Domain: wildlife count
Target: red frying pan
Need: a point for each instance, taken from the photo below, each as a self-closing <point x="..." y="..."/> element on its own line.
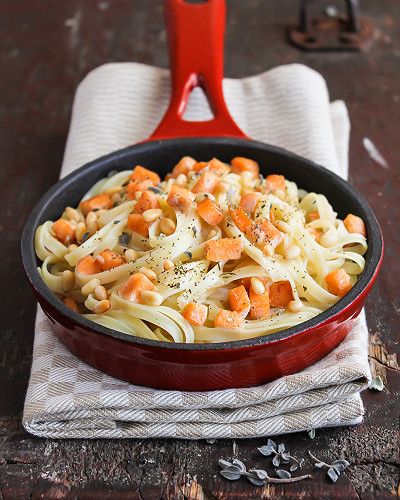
<point x="196" y="50"/>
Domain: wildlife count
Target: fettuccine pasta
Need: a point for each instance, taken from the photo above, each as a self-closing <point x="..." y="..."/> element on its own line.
<point x="213" y="253"/>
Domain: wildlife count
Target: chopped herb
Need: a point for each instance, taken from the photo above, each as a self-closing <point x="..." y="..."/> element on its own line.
<point x="155" y="190"/>
<point x="123" y="239"/>
<point x="188" y="254"/>
<point x="85" y="236"/>
<point x="194" y="229"/>
<point x="116" y="221"/>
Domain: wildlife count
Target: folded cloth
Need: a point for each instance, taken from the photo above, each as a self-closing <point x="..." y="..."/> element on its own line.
<point x="115" y="106"/>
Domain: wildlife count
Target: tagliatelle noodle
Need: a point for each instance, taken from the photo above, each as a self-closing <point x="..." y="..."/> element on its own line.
<point x="194" y="278"/>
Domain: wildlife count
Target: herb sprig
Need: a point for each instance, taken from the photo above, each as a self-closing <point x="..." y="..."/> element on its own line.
<point x="234" y="470"/>
<point x="334" y="469"/>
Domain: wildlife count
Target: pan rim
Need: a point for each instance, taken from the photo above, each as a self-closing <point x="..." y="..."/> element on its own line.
<point x="328" y="316"/>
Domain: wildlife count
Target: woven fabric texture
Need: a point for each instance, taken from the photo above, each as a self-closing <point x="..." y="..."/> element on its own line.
<point x="115" y="106"/>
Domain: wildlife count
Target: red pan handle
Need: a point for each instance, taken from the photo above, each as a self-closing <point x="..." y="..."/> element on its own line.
<point x="196" y="43"/>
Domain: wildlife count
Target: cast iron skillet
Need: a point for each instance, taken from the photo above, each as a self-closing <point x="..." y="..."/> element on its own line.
<point x="196" y="43"/>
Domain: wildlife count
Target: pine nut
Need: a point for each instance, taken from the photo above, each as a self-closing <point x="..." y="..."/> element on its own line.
<point x="328" y="239"/>
<point x="91" y="222"/>
<point x="224" y="187"/>
<point x="100" y="292"/>
<point x="257" y="286"/>
<point x="181" y="180"/>
<point x="148" y="273"/>
<point x="286" y="242"/>
<point x="102" y="307"/>
<point x="167" y="226"/>
<point x="291" y="253"/>
<point x="71" y="248"/>
<point x="90" y="286"/>
<point x="190" y="174"/>
<point x="72" y="214"/>
<point x="295" y="306"/>
<point x="138" y="194"/>
<point x="283" y="226"/>
<point x="80" y="231"/>
<point x="268" y="250"/>
<point x="152" y="214"/>
<point x="279" y="194"/>
<point x="112" y="190"/>
<point x="247" y="184"/>
<point x="201" y="196"/>
<point x="151" y="298"/>
<point x="116" y="198"/>
<point x="68" y="280"/>
<point x="130" y="255"/>
<point x="168" y="264"/>
<point x="100" y="212"/>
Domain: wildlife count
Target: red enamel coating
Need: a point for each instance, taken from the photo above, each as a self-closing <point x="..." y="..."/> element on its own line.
<point x="193" y="370"/>
<point x="196" y="33"/>
<point x="196" y="42"/>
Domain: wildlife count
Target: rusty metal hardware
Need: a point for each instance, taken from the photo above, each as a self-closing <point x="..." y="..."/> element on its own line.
<point x="332" y="33"/>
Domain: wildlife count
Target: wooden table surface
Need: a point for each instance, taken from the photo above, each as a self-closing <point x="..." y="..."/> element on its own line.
<point x="47" y="47"/>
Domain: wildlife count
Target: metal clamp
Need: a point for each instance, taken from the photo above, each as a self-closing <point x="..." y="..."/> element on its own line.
<point x="332" y="33"/>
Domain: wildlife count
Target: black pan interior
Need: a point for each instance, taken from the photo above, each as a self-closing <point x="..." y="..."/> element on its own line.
<point x="161" y="156"/>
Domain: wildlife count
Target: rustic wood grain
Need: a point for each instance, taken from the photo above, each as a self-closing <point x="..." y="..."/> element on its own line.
<point x="47" y="47"/>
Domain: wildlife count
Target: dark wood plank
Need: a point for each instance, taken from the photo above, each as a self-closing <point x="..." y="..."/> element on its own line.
<point x="47" y="48"/>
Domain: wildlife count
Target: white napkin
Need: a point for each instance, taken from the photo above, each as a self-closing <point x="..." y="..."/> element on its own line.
<point x="115" y="106"/>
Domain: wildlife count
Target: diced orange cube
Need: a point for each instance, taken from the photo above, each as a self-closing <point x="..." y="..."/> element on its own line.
<point x="240" y="164"/>
<point x="275" y="182"/>
<point x="147" y="201"/>
<point x="223" y="249"/>
<point x="240" y="218"/>
<point x="249" y="201"/>
<point x="207" y="183"/>
<point x="180" y="198"/>
<point x="313" y="232"/>
<point x="184" y="165"/>
<point x="195" y="313"/>
<point x="259" y="304"/>
<point x="139" y="185"/>
<point x="98" y="202"/>
<point x="139" y="173"/>
<point x="338" y="282"/>
<point x="64" y="230"/>
<point x="280" y="294"/>
<point x="262" y="232"/>
<point x="354" y="224"/>
<point x="311" y="216"/>
<point x="108" y="259"/>
<point x="239" y="300"/>
<point x="218" y="167"/>
<point x="87" y="265"/>
<point x="137" y="224"/>
<point x="134" y="286"/>
<point x="70" y="302"/>
<point x="229" y="319"/>
<point x="210" y="212"/>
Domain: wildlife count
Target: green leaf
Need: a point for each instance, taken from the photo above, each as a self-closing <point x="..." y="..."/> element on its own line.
<point x="266" y="450"/>
<point x="283" y="474"/>
<point x="333" y="474"/>
<point x="376" y="384"/>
